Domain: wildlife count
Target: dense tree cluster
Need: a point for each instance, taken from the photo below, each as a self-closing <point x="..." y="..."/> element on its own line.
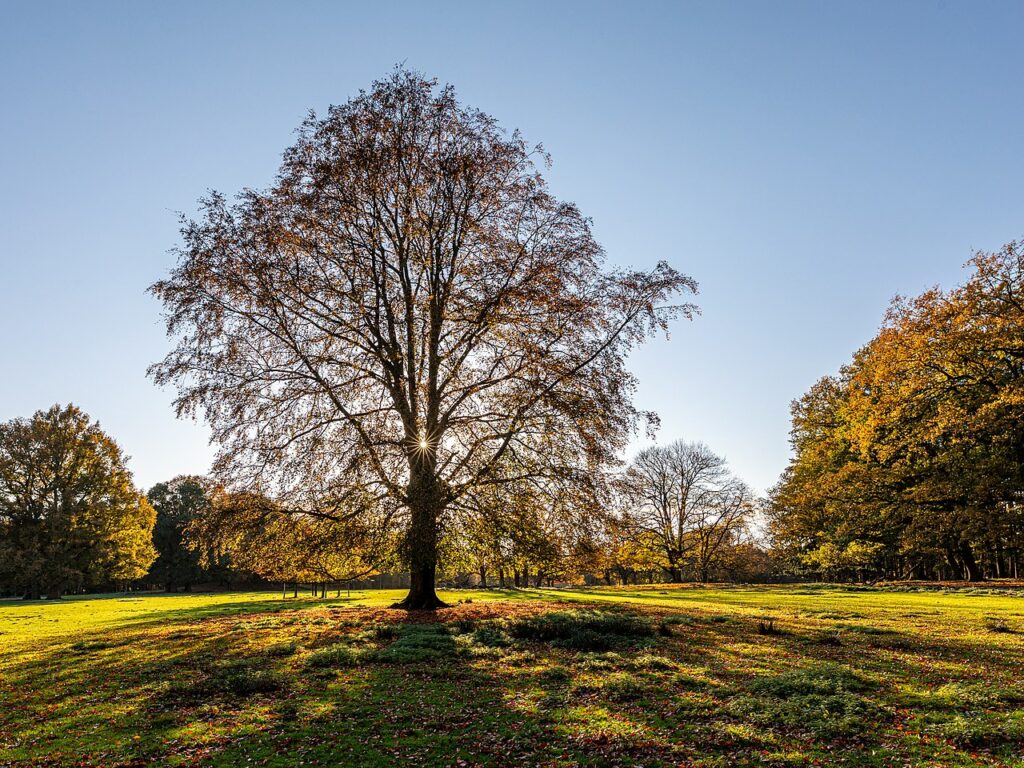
<point x="72" y="521"/>
<point x="70" y="518"/>
<point x="910" y="462"/>
<point x="184" y="558"/>
<point x="262" y="537"/>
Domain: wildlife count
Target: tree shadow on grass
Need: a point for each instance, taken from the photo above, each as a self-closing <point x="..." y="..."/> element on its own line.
<point x="195" y="687"/>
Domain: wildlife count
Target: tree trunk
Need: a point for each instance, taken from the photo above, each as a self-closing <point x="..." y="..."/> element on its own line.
<point x="483" y="577"/>
<point x="425" y="506"/>
<point x="970" y="564"/>
<point x="951" y="561"/>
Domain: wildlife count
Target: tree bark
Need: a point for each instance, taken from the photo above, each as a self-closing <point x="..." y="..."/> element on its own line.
<point x="974" y="573"/>
<point x="425" y="505"/>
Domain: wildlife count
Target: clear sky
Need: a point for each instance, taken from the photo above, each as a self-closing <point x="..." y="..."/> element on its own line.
<point x="803" y="161"/>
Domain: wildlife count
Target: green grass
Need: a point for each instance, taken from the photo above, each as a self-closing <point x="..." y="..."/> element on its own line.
<point x="599" y="677"/>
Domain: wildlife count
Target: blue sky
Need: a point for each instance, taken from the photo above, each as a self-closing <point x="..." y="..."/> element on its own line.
<point x="803" y="161"/>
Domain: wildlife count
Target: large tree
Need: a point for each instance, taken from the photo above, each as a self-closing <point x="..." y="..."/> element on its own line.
<point x="911" y="460"/>
<point x="69" y="514"/>
<point x="406" y="315"/>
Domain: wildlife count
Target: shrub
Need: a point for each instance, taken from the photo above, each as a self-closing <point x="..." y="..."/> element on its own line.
<point x="865" y="629"/>
<point x="232" y="678"/>
<point x="829" y="637"/>
<point x="622" y="686"/>
<point x="556" y="674"/>
<point x="384" y="632"/>
<point x="597" y="662"/>
<point x="823" y="679"/>
<point x="585" y="639"/>
<point x="962" y="695"/>
<point x="338" y="655"/>
<point x="768" y="627"/>
<point x="418" y="643"/>
<point x="492" y="636"/>
<point x="823" y="699"/>
<point x="987" y="730"/>
<point x="245" y="682"/>
<point x="86" y="646"/>
<point x="281" y="649"/>
<point x="584" y="630"/>
<point x="652" y="662"/>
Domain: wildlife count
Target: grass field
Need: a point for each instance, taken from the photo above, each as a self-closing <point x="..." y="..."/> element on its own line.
<point x="720" y="676"/>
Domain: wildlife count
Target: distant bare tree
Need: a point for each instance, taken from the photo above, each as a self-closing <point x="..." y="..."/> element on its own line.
<point x="407" y="315"/>
<point x="684" y="497"/>
<point x="719" y="523"/>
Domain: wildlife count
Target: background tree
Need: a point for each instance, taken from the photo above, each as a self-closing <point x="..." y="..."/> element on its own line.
<point x="911" y="461"/>
<point x="406" y="315"/>
<point x="69" y="515"/>
<point x="277" y="544"/>
<point x="683" y="497"/>
<point x="717" y="525"/>
<point x="177" y="503"/>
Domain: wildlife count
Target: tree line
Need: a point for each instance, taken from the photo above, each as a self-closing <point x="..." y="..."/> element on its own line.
<point x="910" y="462"/>
<point x="71" y="521"/>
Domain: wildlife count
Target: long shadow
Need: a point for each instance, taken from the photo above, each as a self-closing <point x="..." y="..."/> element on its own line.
<point x="209" y="697"/>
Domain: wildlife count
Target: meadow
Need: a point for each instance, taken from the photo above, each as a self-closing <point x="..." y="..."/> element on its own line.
<point x="652" y="676"/>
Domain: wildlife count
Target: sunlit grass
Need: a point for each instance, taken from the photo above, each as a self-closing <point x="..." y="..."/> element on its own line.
<point x="654" y="676"/>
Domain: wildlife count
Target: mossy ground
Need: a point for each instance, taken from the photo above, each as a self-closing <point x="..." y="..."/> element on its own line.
<point x="596" y="677"/>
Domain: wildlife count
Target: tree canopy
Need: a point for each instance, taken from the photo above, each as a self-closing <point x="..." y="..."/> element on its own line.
<point x="405" y="317"/>
<point x="911" y="460"/>
<point x="69" y="514"/>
